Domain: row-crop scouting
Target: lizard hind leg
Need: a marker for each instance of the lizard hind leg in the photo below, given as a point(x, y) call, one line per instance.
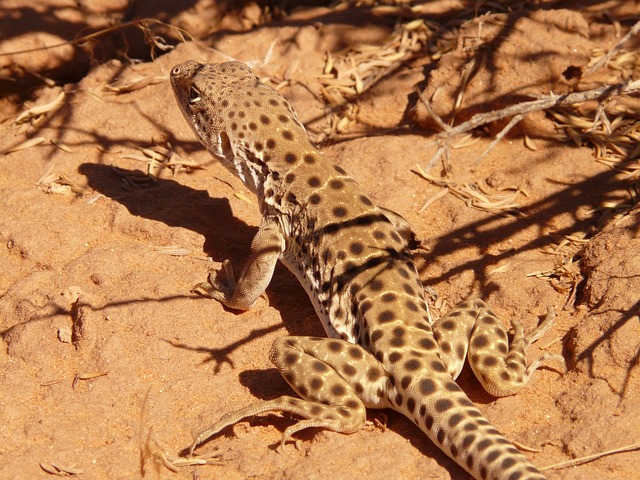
point(502, 368)
point(324, 372)
point(471, 330)
point(317, 415)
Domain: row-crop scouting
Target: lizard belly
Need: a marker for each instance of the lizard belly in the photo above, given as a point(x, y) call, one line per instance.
point(320, 304)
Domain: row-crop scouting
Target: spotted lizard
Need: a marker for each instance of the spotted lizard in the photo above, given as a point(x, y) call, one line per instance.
point(353, 259)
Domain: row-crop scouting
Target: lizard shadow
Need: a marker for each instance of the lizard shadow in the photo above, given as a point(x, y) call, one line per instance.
point(226, 237)
point(175, 205)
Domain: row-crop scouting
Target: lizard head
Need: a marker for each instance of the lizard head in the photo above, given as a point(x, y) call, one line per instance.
point(243, 122)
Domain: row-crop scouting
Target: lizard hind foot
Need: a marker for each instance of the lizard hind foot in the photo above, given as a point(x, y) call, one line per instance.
point(471, 330)
point(314, 414)
point(511, 372)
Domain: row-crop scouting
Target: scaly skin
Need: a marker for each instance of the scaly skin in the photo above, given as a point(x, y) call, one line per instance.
point(355, 264)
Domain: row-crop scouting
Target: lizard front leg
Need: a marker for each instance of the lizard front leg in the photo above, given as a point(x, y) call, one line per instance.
point(266, 248)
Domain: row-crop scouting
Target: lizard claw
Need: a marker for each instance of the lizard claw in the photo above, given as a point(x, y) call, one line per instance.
point(214, 288)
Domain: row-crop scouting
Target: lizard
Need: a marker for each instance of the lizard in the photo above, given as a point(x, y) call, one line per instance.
point(353, 259)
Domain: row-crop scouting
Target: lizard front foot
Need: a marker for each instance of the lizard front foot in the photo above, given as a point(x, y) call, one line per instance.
point(214, 288)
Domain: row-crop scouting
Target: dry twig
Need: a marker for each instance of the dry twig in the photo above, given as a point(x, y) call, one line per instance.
point(589, 458)
point(600, 63)
point(542, 103)
point(514, 121)
point(142, 24)
point(60, 470)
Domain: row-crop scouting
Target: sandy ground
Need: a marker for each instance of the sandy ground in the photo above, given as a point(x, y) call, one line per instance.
point(109, 361)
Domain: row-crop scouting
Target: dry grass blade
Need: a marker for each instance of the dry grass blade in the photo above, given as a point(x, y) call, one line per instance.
point(501, 204)
point(32, 142)
point(433, 199)
point(133, 179)
point(466, 140)
point(48, 383)
point(159, 158)
point(50, 469)
point(62, 146)
point(96, 96)
point(38, 110)
point(615, 211)
point(71, 470)
point(85, 376)
point(89, 376)
point(568, 120)
point(505, 267)
point(176, 160)
point(135, 156)
point(127, 86)
point(173, 251)
point(157, 152)
point(60, 184)
point(59, 470)
point(473, 196)
point(244, 198)
point(530, 144)
point(205, 459)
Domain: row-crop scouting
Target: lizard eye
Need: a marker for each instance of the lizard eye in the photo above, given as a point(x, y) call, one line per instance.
point(194, 95)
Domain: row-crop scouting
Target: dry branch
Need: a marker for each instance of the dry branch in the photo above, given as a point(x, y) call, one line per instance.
point(543, 103)
point(634, 30)
point(141, 23)
point(589, 458)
